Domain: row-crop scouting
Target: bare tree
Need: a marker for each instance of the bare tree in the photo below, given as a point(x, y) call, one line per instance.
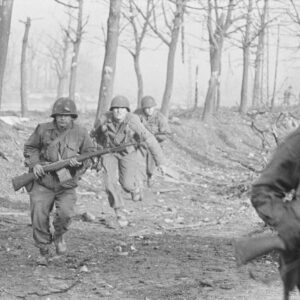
point(259, 58)
point(218, 21)
point(246, 60)
point(76, 46)
point(6, 7)
point(75, 36)
point(276, 68)
point(170, 39)
point(24, 69)
point(109, 64)
point(59, 54)
point(139, 30)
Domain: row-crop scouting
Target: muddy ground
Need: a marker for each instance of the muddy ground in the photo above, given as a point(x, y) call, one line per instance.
point(179, 242)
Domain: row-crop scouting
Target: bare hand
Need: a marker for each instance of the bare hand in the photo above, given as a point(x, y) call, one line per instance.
point(74, 163)
point(38, 171)
point(162, 169)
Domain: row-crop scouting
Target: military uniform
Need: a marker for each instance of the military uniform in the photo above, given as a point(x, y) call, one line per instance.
point(124, 167)
point(158, 125)
point(46, 145)
point(268, 196)
point(280, 177)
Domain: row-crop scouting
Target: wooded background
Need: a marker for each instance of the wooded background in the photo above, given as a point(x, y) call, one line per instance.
point(186, 53)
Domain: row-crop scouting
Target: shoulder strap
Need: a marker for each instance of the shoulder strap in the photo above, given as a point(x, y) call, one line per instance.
point(59, 138)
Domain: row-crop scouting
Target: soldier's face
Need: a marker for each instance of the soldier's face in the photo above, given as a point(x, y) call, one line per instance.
point(149, 111)
point(119, 113)
point(63, 121)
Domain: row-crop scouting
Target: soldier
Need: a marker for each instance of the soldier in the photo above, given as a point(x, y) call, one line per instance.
point(60, 139)
point(118, 127)
point(157, 124)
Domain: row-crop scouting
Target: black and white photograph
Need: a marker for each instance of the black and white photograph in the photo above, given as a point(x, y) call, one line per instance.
point(148, 149)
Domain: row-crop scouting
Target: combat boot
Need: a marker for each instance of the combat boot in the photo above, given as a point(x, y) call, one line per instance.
point(60, 244)
point(136, 195)
point(43, 257)
point(121, 218)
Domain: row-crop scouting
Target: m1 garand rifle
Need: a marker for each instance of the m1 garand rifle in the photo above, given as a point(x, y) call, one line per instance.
point(26, 178)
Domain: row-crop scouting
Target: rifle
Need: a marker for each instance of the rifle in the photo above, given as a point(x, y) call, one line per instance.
point(249, 249)
point(24, 179)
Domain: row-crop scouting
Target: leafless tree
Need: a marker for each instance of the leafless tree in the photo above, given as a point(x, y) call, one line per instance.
point(75, 36)
point(259, 58)
point(219, 19)
point(246, 59)
point(171, 13)
point(109, 64)
point(139, 26)
point(6, 7)
point(24, 69)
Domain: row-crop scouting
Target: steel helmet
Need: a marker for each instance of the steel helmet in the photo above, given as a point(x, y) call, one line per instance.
point(120, 101)
point(148, 102)
point(64, 106)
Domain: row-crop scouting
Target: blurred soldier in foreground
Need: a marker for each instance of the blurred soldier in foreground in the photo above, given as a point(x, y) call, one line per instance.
point(280, 177)
point(50, 142)
point(157, 124)
point(115, 128)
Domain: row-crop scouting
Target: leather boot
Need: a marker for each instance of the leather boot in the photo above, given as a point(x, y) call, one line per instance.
point(136, 195)
point(60, 245)
point(43, 257)
point(121, 218)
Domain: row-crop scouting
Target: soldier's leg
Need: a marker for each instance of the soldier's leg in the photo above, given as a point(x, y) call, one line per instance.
point(64, 203)
point(41, 204)
point(150, 168)
point(110, 165)
point(111, 180)
point(131, 175)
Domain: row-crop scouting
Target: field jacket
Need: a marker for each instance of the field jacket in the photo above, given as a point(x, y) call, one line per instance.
point(47, 144)
point(157, 124)
point(109, 133)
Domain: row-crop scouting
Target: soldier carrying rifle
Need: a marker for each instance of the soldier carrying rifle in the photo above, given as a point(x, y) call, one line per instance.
point(280, 177)
point(51, 142)
point(117, 127)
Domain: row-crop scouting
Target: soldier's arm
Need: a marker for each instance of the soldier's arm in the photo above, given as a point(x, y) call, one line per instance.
point(148, 138)
point(163, 128)
point(32, 148)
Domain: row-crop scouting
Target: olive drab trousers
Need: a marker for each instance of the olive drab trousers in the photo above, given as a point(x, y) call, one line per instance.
point(121, 171)
point(42, 201)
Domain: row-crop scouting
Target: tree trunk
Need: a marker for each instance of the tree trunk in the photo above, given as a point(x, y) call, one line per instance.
point(24, 77)
point(196, 88)
point(214, 81)
point(109, 64)
point(6, 7)
point(76, 47)
point(245, 79)
point(246, 60)
point(258, 60)
point(139, 78)
point(171, 58)
point(276, 69)
point(63, 74)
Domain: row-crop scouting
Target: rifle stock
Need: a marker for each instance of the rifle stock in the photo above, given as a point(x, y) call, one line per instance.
point(24, 179)
point(249, 249)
